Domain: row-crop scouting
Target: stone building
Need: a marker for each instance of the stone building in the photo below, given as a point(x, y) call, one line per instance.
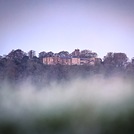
point(88, 61)
point(57, 60)
point(75, 61)
point(48, 60)
point(84, 61)
point(66, 61)
point(85, 57)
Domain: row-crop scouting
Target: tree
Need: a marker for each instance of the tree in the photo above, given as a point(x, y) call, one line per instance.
point(42, 54)
point(16, 55)
point(63, 54)
point(108, 59)
point(115, 59)
point(88, 54)
point(49, 54)
point(31, 54)
point(0, 57)
point(120, 59)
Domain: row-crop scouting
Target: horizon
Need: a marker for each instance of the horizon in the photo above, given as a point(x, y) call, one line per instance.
point(37, 54)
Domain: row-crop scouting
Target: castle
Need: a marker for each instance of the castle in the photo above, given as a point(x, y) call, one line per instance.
point(84, 57)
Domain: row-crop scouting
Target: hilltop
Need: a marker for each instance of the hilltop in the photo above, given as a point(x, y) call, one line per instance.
point(48, 66)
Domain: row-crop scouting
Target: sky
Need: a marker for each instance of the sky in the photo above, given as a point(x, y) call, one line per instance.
point(54, 25)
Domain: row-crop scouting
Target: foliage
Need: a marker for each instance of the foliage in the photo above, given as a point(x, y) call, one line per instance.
point(17, 66)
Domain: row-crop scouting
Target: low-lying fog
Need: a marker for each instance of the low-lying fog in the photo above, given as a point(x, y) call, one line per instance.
point(94, 105)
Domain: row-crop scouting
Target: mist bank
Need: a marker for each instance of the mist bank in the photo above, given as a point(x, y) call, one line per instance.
point(97, 104)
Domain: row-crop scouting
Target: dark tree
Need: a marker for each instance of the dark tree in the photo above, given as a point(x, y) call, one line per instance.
point(31, 54)
point(116, 59)
point(16, 55)
point(63, 54)
point(42, 54)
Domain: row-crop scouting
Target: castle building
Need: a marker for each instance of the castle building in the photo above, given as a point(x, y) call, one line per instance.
point(75, 61)
point(48, 60)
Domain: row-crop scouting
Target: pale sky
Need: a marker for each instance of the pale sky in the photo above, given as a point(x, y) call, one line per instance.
point(55, 25)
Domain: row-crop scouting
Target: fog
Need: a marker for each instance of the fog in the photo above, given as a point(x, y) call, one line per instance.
point(94, 105)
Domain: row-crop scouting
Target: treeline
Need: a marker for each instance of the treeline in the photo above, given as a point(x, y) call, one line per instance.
point(18, 66)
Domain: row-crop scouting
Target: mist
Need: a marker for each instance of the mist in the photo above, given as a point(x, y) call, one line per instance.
point(94, 105)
